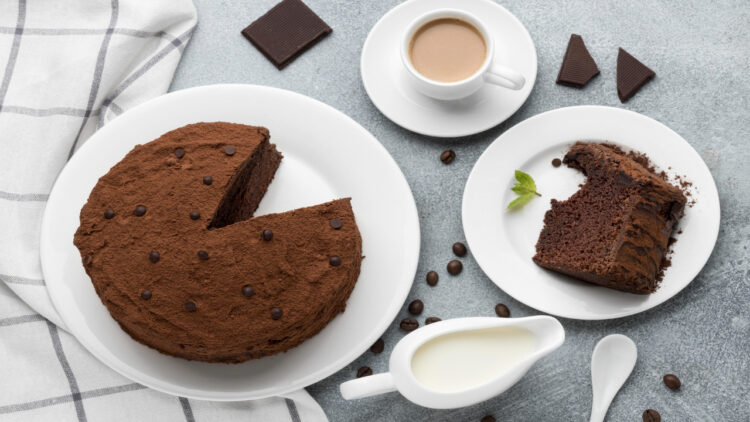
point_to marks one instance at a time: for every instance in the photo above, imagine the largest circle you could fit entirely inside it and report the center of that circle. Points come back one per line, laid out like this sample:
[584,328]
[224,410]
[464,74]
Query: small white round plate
[327,155]
[385,78]
[503,241]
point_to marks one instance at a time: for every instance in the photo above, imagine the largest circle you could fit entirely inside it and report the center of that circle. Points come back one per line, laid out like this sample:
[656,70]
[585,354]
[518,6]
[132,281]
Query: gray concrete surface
[701,54]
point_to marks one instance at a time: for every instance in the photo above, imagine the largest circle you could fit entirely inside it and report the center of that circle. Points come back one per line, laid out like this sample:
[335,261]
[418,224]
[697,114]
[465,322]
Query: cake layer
[615,230]
[191,273]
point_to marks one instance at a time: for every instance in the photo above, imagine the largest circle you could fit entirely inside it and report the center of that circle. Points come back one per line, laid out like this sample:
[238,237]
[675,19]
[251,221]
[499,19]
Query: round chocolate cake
[168,239]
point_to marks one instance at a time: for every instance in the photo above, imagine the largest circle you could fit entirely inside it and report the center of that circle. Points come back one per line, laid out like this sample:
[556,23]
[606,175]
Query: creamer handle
[367,386]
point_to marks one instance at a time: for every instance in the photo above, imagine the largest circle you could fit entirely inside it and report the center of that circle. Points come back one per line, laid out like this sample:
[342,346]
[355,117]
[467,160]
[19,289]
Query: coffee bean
[651,415]
[109,214]
[448,156]
[488,418]
[194,215]
[229,150]
[378,346]
[432,278]
[190,306]
[202,255]
[146,294]
[459,249]
[336,223]
[266,235]
[364,371]
[455,267]
[409,324]
[502,311]
[207,180]
[154,256]
[179,153]
[556,162]
[139,211]
[672,381]
[416,307]
[247,291]
[431,319]
[335,261]
[276,313]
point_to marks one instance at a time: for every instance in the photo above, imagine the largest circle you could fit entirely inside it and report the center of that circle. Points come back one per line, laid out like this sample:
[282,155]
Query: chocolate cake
[172,251]
[615,230]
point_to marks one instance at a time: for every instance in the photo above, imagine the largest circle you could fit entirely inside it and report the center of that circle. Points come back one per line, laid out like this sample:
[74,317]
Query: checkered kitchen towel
[67,67]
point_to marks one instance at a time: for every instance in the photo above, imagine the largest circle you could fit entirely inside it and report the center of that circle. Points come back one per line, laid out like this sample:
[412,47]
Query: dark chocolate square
[578,67]
[286,31]
[631,75]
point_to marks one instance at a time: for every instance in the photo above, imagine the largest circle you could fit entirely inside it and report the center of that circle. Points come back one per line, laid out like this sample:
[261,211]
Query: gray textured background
[700,52]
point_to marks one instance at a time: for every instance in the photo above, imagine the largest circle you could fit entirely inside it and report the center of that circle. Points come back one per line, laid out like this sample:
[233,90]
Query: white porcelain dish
[503,242]
[327,155]
[390,87]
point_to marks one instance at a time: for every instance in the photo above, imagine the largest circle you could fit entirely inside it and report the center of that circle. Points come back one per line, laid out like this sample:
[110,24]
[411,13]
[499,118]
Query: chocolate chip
[190,306]
[153,256]
[266,234]
[247,291]
[109,213]
[454,267]
[431,319]
[146,294]
[87,259]
[448,156]
[179,153]
[651,415]
[409,324]
[502,311]
[194,215]
[334,261]
[336,223]
[207,180]
[378,346]
[432,278]
[364,371]
[459,249]
[671,381]
[556,162]
[139,211]
[416,307]
[276,313]
[203,255]
[229,150]
[488,418]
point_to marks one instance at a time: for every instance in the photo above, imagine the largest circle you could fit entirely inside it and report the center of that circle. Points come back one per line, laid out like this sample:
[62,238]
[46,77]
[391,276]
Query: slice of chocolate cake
[615,230]
[172,251]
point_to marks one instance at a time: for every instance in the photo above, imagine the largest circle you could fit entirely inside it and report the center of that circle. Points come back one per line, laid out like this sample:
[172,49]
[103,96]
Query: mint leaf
[525,188]
[521,200]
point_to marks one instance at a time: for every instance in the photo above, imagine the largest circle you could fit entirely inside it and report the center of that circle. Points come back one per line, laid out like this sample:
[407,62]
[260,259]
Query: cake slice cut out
[631,75]
[615,230]
[173,250]
[578,67]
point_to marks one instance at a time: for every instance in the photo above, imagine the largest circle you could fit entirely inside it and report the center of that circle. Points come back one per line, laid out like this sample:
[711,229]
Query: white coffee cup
[490,71]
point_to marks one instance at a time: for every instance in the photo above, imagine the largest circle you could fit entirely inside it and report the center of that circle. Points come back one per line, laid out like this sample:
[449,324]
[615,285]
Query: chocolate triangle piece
[578,67]
[631,75]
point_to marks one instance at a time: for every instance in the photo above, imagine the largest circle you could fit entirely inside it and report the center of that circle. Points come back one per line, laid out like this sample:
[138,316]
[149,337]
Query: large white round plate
[385,78]
[503,242]
[327,155]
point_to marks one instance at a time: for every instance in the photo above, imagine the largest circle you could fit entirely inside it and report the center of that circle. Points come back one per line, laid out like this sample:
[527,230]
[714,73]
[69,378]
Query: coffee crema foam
[447,50]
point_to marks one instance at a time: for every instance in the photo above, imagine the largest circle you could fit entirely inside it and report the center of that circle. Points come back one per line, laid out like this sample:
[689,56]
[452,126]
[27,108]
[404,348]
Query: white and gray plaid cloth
[68,67]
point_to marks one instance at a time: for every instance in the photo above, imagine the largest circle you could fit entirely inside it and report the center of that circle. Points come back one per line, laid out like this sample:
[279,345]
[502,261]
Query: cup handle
[504,76]
[367,386]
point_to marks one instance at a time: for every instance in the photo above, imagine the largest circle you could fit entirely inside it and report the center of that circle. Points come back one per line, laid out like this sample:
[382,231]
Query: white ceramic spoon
[546,333]
[611,364]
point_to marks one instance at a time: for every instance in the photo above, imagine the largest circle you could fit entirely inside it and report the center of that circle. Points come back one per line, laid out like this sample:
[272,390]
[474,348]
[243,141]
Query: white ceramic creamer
[463,361]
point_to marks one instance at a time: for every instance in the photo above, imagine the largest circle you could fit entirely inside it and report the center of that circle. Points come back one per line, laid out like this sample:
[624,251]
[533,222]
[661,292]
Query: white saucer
[385,79]
[327,155]
[503,242]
